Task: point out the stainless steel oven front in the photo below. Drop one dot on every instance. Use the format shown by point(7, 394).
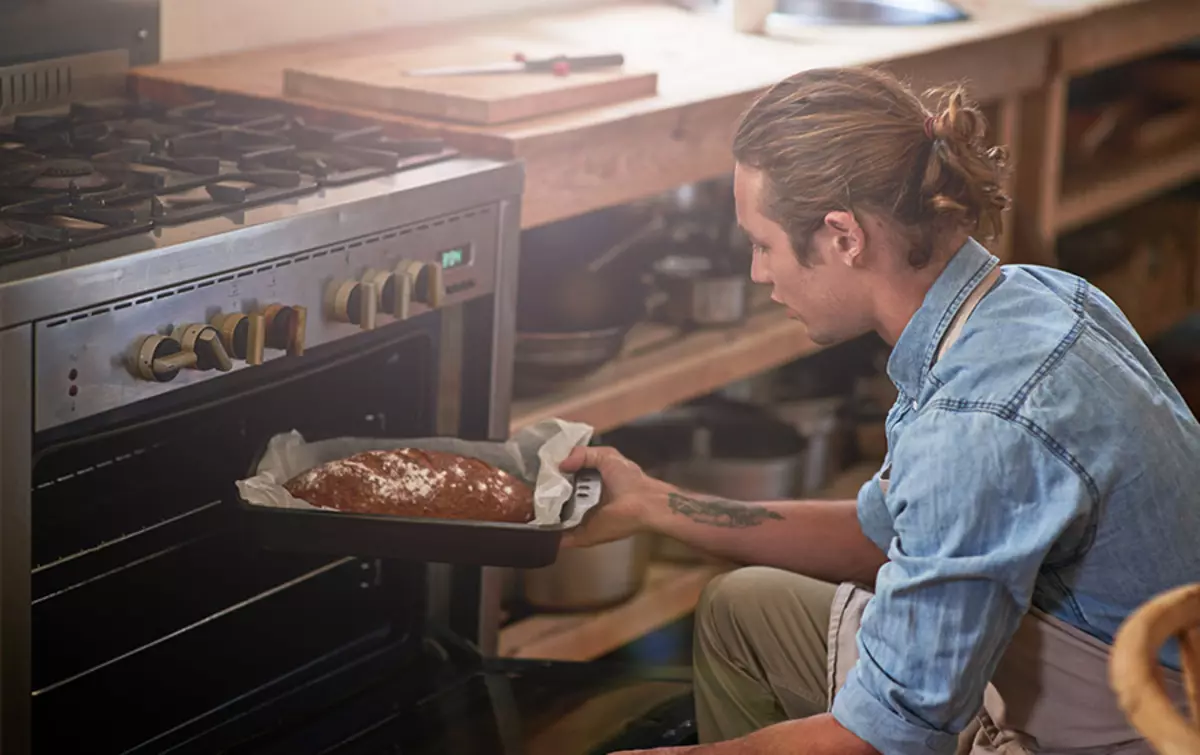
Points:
point(138, 379)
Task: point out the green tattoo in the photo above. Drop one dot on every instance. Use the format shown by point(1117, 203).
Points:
point(720, 513)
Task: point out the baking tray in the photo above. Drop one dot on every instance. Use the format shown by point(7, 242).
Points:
point(450, 541)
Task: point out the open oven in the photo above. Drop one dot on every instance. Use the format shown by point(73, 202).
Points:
point(177, 286)
point(136, 607)
point(139, 616)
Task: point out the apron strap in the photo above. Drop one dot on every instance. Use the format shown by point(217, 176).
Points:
point(965, 310)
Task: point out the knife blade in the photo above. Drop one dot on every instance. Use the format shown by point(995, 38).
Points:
point(557, 64)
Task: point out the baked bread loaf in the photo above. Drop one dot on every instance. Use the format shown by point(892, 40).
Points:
point(411, 482)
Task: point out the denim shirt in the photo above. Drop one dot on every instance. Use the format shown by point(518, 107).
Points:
point(1045, 460)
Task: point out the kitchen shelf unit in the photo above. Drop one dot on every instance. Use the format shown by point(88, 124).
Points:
point(1097, 194)
point(661, 367)
point(1052, 200)
point(671, 592)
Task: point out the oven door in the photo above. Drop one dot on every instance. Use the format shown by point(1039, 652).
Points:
point(154, 621)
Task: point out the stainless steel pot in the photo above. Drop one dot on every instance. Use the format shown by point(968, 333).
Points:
point(697, 293)
point(752, 478)
point(716, 447)
point(819, 421)
point(745, 478)
point(587, 579)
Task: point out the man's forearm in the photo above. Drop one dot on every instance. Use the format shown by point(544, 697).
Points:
point(821, 539)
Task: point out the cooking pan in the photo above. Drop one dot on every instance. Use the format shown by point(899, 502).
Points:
point(737, 434)
point(448, 541)
point(716, 447)
point(546, 361)
point(586, 274)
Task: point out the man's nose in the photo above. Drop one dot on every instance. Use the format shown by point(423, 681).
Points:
point(758, 269)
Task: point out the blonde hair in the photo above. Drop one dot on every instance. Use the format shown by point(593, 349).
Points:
point(846, 138)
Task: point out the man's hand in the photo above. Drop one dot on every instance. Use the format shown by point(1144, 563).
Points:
point(628, 495)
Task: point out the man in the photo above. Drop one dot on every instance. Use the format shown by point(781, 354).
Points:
point(1040, 481)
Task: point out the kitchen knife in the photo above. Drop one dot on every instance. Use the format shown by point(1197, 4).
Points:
point(559, 65)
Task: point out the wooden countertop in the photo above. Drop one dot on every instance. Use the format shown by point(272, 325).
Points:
point(604, 156)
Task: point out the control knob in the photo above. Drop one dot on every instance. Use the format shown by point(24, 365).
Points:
point(352, 301)
point(428, 286)
point(393, 289)
point(243, 336)
point(160, 358)
point(285, 328)
point(203, 341)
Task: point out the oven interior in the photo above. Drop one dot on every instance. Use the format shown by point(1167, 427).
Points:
point(156, 625)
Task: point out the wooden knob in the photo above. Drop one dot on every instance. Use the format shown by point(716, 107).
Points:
point(256, 338)
point(300, 321)
point(205, 342)
point(434, 288)
point(407, 273)
point(166, 368)
point(285, 327)
point(234, 329)
point(160, 358)
point(368, 300)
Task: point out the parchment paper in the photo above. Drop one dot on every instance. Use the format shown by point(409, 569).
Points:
point(532, 454)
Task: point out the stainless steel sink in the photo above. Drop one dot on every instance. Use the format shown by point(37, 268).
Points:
point(865, 12)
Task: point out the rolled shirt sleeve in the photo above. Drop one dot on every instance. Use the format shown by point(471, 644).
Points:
point(977, 502)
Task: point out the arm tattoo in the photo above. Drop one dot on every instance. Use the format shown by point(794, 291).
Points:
point(719, 513)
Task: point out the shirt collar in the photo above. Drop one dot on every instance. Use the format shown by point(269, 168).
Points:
point(913, 353)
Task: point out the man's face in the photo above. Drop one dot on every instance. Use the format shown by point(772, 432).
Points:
point(825, 295)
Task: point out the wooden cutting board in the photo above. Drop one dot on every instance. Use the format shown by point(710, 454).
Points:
point(380, 82)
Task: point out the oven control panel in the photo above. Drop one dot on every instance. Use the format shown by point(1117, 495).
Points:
point(90, 362)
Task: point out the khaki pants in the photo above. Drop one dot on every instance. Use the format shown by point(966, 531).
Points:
point(760, 651)
point(766, 651)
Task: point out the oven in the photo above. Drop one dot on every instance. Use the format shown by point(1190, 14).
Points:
point(178, 285)
point(134, 605)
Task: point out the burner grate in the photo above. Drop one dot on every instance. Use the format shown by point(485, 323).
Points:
point(110, 168)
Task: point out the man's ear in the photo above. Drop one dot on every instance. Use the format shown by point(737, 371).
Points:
point(847, 235)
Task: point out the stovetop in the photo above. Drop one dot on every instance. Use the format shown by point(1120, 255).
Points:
point(102, 170)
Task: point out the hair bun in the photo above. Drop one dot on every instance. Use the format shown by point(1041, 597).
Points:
point(964, 178)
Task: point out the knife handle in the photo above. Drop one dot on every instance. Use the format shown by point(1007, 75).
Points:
point(575, 62)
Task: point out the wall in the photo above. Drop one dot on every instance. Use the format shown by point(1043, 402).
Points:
point(196, 28)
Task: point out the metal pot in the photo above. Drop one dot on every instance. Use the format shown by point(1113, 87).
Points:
point(697, 292)
point(716, 447)
point(587, 579)
point(586, 274)
point(819, 421)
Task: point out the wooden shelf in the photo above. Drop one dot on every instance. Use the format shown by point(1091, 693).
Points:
point(660, 368)
point(1092, 196)
point(671, 591)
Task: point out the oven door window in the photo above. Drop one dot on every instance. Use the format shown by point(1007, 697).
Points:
point(154, 620)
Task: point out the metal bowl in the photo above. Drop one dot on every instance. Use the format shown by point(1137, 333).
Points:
point(547, 361)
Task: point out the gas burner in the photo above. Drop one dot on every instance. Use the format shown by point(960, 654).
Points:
point(9, 238)
point(149, 129)
point(68, 174)
point(104, 169)
point(64, 168)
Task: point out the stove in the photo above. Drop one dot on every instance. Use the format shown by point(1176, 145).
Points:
point(99, 170)
point(178, 284)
